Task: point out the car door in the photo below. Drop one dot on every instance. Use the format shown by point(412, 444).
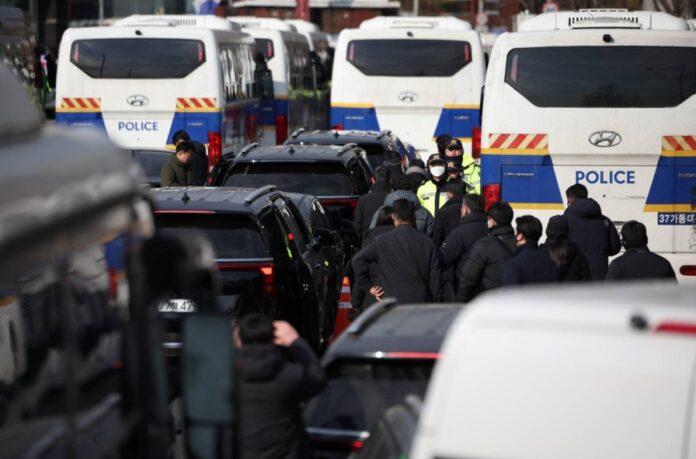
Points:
point(310, 272)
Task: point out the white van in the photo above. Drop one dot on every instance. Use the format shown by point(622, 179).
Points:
point(294, 104)
point(566, 372)
point(602, 98)
point(147, 77)
point(419, 76)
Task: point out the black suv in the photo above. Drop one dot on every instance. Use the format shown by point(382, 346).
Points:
point(376, 144)
point(266, 257)
point(337, 175)
point(386, 354)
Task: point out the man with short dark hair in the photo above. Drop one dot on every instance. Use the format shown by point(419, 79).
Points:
point(638, 262)
point(530, 265)
point(176, 171)
point(199, 159)
point(594, 233)
point(449, 216)
point(369, 203)
point(483, 269)
point(277, 371)
point(407, 262)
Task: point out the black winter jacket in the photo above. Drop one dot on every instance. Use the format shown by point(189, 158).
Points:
point(368, 204)
point(199, 165)
point(483, 269)
point(361, 297)
point(455, 250)
point(572, 264)
point(447, 219)
point(407, 265)
point(273, 382)
point(594, 233)
point(640, 263)
point(530, 266)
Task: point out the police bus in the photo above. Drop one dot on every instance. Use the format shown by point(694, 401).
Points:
point(296, 100)
point(147, 77)
point(605, 99)
point(421, 76)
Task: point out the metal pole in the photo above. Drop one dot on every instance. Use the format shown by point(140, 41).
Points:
point(101, 12)
point(415, 7)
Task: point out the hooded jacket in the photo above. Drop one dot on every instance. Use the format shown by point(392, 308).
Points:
point(273, 382)
point(572, 264)
point(424, 220)
point(483, 269)
point(594, 233)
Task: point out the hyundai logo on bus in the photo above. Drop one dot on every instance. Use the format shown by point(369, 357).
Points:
point(605, 139)
point(137, 100)
point(610, 177)
point(138, 126)
point(408, 96)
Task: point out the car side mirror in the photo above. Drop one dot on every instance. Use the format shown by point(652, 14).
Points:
point(208, 384)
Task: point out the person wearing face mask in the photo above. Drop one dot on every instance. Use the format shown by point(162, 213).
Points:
point(432, 194)
point(469, 169)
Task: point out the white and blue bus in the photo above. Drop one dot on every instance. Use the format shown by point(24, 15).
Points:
point(602, 98)
point(420, 76)
point(297, 98)
point(147, 77)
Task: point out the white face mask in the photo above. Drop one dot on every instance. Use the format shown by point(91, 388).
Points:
point(437, 171)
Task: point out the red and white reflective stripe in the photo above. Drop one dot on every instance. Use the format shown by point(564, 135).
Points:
point(679, 143)
point(518, 141)
point(345, 300)
point(80, 104)
point(195, 103)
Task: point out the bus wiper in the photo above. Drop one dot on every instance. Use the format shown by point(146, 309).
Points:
point(101, 67)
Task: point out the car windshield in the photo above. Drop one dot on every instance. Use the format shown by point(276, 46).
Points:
point(611, 76)
point(232, 236)
point(151, 161)
point(358, 392)
point(308, 178)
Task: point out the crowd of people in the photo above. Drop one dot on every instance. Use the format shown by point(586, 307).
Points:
point(429, 238)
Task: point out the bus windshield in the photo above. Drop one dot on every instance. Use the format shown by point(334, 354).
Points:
point(152, 58)
point(409, 58)
point(611, 77)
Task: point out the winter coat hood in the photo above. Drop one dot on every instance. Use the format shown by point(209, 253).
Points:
point(584, 208)
point(557, 227)
point(259, 362)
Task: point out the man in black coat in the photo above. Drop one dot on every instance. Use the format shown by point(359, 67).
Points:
point(594, 233)
point(530, 265)
point(407, 261)
point(450, 214)
point(454, 251)
point(369, 203)
point(277, 372)
point(638, 262)
point(199, 158)
point(483, 269)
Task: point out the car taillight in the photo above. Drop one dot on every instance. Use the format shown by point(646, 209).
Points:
point(352, 202)
point(281, 125)
point(688, 270)
point(491, 194)
point(412, 355)
point(214, 148)
point(266, 269)
point(251, 128)
point(476, 143)
point(337, 127)
point(680, 328)
point(113, 283)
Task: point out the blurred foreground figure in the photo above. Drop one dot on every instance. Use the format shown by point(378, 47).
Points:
point(278, 370)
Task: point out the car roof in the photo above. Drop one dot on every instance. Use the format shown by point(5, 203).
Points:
point(340, 137)
point(392, 331)
point(298, 153)
point(223, 199)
